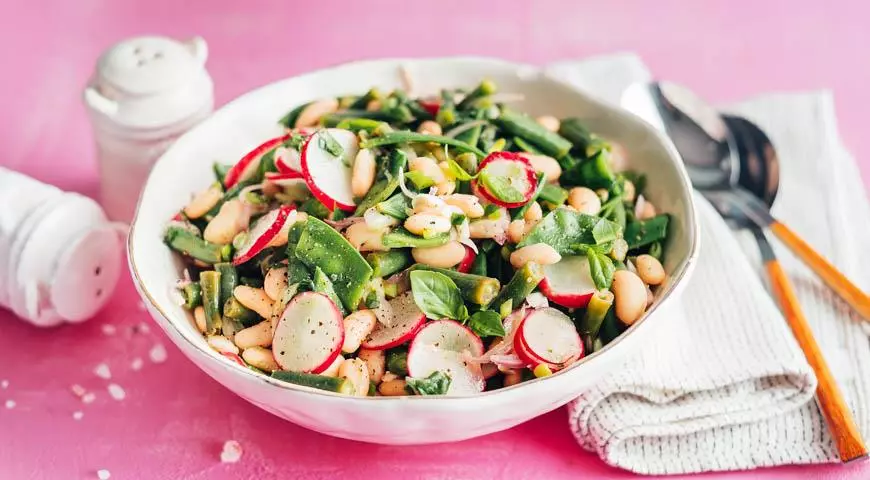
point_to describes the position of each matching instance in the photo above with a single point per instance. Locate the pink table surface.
(175, 419)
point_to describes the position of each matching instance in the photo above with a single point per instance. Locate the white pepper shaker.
(145, 93)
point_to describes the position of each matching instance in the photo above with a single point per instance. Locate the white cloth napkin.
(726, 387)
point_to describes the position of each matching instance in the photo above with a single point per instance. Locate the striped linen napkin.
(726, 387)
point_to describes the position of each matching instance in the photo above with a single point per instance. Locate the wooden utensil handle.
(832, 277)
(850, 445)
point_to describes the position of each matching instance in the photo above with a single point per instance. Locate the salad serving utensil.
(734, 165)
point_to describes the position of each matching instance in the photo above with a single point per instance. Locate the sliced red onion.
(508, 361)
(377, 220)
(405, 190)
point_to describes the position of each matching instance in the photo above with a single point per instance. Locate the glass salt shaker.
(144, 94)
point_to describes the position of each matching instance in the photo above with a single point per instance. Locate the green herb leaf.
(437, 296)
(486, 323)
(457, 219)
(397, 206)
(645, 232)
(605, 231)
(457, 171)
(328, 143)
(491, 211)
(436, 383)
(562, 228)
(397, 361)
(322, 284)
(601, 269)
(296, 141)
(419, 180)
(500, 187)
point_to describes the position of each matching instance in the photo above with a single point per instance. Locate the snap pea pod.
(192, 294)
(525, 127)
(402, 238)
(322, 284)
(235, 310)
(210, 283)
(321, 382)
(404, 136)
(289, 120)
(385, 264)
(553, 194)
(584, 141)
(362, 102)
(593, 317)
(474, 288)
(644, 232)
(520, 286)
(229, 280)
(182, 240)
(384, 188)
(397, 361)
(447, 110)
(486, 88)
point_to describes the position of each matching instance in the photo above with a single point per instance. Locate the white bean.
(628, 191)
(428, 127)
(584, 200)
(363, 173)
(203, 202)
(445, 188)
(516, 230)
(365, 238)
(332, 370)
(533, 213)
(310, 115)
(392, 388)
(376, 361)
(549, 122)
(630, 296)
(357, 372)
(443, 256)
(540, 253)
(199, 319)
(357, 326)
(427, 167)
(275, 282)
(373, 105)
(649, 269)
(547, 165)
(469, 204)
(222, 344)
(490, 227)
(427, 224)
(232, 218)
(254, 298)
(260, 335)
(261, 358)
(647, 211)
(425, 203)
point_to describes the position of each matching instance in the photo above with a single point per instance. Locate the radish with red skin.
(516, 168)
(548, 336)
(262, 233)
(309, 334)
(248, 165)
(568, 282)
(406, 322)
(465, 265)
(328, 176)
(448, 346)
(431, 105)
(288, 160)
(285, 178)
(235, 358)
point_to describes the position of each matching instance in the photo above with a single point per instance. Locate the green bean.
(525, 127)
(362, 102)
(229, 280)
(402, 238)
(384, 188)
(192, 294)
(525, 146)
(385, 264)
(485, 89)
(289, 120)
(447, 111)
(474, 288)
(367, 124)
(235, 310)
(397, 361)
(210, 283)
(520, 286)
(330, 384)
(404, 136)
(478, 266)
(553, 194)
(596, 310)
(187, 243)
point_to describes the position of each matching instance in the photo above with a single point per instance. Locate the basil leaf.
(645, 232)
(326, 142)
(486, 323)
(605, 231)
(500, 187)
(457, 171)
(601, 269)
(437, 296)
(563, 228)
(437, 383)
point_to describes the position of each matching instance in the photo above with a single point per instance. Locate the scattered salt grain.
(103, 474)
(232, 452)
(157, 353)
(136, 364)
(10, 404)
(102, 371)
(116, 391)
(108, 329)
(78, 414)
(4, 384)
(77, 389)
(89, 397)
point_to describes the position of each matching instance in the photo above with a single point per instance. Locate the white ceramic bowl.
(244, 123)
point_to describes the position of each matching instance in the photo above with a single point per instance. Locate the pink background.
(174, 420)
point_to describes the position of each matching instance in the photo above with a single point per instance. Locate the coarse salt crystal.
(232, 452)
(157, 353)
(102, 371)
(4, 384)
(103, 474)
(10, 404)
(108, 329)
(78, 414)
(116, 391)
(77, 389)
(136, 364)
(89, 397)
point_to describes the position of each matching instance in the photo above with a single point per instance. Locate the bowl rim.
(677, 283)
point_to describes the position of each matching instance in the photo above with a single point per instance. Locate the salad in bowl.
(386, 245)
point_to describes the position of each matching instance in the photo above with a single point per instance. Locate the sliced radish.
(309, 334)
(285, 179)
(548, 336)
(405, 321)
(431, 105)
(568, 282)
(288, 160)
(467, 261)
(235, 358)
(248, 165)
(328, 176)
(262, 233)
(448, 346)
(514, 170)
